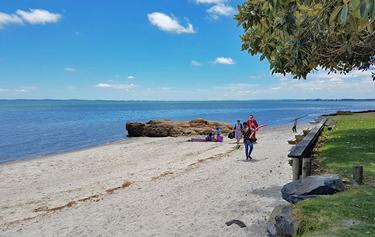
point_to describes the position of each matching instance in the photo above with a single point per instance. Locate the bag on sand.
(231, 135)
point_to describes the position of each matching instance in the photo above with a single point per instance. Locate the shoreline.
(130, 138)
(123, 140)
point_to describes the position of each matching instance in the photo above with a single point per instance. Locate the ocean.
(35, 128)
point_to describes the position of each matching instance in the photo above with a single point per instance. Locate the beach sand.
(147, 187)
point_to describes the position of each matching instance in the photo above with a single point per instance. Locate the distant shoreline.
(102, 100)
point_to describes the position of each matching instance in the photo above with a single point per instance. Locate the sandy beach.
(147, 187)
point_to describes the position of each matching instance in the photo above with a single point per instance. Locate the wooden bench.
(301, 153)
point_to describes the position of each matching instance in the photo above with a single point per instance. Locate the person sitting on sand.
(248, 137)
(238, 131)
(210, 137)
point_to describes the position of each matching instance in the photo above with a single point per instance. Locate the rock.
(281, 222)
(299, 137)
(169, 128)
(311, 186)
(237, 222)
(136, 129)
(306, 131)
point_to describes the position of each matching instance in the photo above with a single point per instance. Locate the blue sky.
(143, 50)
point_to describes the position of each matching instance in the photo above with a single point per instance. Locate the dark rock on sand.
(168, 128)
(136, 129)
(281, 222)
(310, 187)
(237, 222)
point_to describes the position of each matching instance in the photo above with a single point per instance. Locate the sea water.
(34, 128)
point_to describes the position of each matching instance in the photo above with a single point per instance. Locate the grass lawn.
(352, 212)
(351, 142)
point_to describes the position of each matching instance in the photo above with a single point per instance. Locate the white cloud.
(7, 19)
(131, 77)
(195, 63)
(33, 16)
(220, 10)
(223, 60)
(125, 87)
(70, 69)
(38, 16)
(169, 23)
(320, 84)
(13, 90)
(25, 89)
(210, 1)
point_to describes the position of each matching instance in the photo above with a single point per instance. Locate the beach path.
(146, 187)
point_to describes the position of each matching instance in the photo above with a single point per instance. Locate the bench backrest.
(304, 147)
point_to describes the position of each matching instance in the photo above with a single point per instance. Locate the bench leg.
(296, 168)
(306, 167)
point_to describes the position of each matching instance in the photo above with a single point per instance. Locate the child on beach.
(248, 137)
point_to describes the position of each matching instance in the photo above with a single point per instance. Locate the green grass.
(346, 214)
(351, 142)
(352, 212)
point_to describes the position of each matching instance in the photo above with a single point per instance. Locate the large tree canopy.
(298, 36)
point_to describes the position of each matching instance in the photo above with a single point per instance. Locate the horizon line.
(151, 100)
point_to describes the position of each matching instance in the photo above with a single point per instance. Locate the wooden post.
(306, 167)
(296, 168)
(358, 174)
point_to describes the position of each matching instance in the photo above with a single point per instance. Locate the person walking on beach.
(294, 128)
(238, 131)
(252, 123)
(248, 140)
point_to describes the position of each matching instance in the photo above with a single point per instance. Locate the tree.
(298, 36)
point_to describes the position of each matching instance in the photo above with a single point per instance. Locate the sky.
(144, 50)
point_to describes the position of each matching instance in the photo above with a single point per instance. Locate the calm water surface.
(33, 128)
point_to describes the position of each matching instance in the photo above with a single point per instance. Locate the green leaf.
(333, 17)
(296, 36)
(365, 8)
(355, 8)
(344, 15)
